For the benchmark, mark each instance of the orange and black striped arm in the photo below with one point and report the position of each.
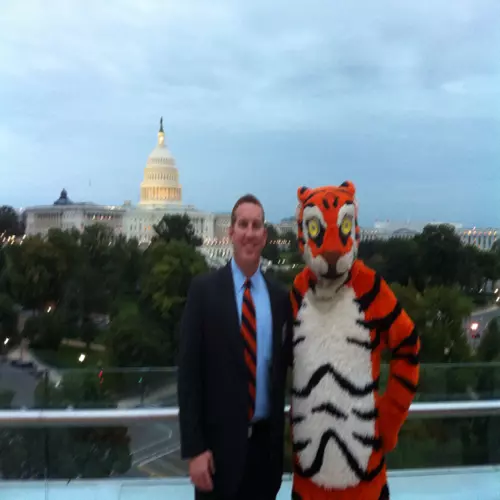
(301, 284)
(403, 341)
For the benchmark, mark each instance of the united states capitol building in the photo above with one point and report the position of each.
(161, 194)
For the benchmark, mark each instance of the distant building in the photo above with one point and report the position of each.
(160, 194)
(287, 225)
(65, 214)
(482, 238)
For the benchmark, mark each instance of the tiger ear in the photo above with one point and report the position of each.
(349, 186)
(302, 193)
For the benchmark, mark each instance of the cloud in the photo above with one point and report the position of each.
(84, 82)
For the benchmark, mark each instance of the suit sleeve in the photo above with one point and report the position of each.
(404, 344)
(189, 380)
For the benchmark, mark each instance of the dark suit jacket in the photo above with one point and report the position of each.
(212, 377)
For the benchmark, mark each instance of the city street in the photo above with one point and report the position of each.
(21, 381)
(478, 321)
(155, 447)
(155, 450)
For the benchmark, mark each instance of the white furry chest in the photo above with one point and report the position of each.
(333, 388)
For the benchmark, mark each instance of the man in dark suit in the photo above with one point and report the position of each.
(234, 353)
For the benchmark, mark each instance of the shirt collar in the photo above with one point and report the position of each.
(239, 278)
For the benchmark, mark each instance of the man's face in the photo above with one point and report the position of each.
(248, 234)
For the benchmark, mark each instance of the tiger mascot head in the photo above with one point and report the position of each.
(328, 232)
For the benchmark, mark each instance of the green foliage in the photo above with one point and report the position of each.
(136, 339)
(34, 271)
(45, 331)
(489, 348)
(284, 277)
(67, 357)
(10, 225)
(8, 319)
(440, 254)
(434, 258)
(438, 314)
(271, 251)
(169, 268)
(176, 227)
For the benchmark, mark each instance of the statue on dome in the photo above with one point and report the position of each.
(345, 315)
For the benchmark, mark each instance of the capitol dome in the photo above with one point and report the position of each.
(161, 177)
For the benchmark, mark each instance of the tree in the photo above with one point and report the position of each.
(271, 251)
(470, 275)
(439, 314)
(402, 262)
(169, 268)
(168, 271)
(123, 269)
(87, 260)
(8, 321)
(176, 227)
(489, 265)
(135, 339)
(292, 256)
(35, 272)
(444, 311)
(46, 330)
(440, 250)
(10, 224)
(489, 347)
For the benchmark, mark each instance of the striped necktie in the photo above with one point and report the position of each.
(248, 331)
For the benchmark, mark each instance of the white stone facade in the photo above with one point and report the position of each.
(288, 225)
(160, 194)
(65, 215)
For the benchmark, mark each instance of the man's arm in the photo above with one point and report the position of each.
(404, 344)
(189, 379)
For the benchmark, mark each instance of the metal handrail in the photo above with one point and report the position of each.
(116, 416)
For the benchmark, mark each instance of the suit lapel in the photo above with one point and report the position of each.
(233, 338)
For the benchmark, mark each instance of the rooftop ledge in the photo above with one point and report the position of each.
(467, 483)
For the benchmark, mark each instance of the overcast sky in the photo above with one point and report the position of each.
(400, 97)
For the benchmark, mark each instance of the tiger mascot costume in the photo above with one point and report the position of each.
(345, 315)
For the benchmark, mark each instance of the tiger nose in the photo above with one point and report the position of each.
(332, 258)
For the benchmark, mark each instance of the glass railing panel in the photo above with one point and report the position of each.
(152, 450)
(26, 387)
(458, 381)
(113, 387)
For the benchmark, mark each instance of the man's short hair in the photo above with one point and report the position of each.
(247, 198)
